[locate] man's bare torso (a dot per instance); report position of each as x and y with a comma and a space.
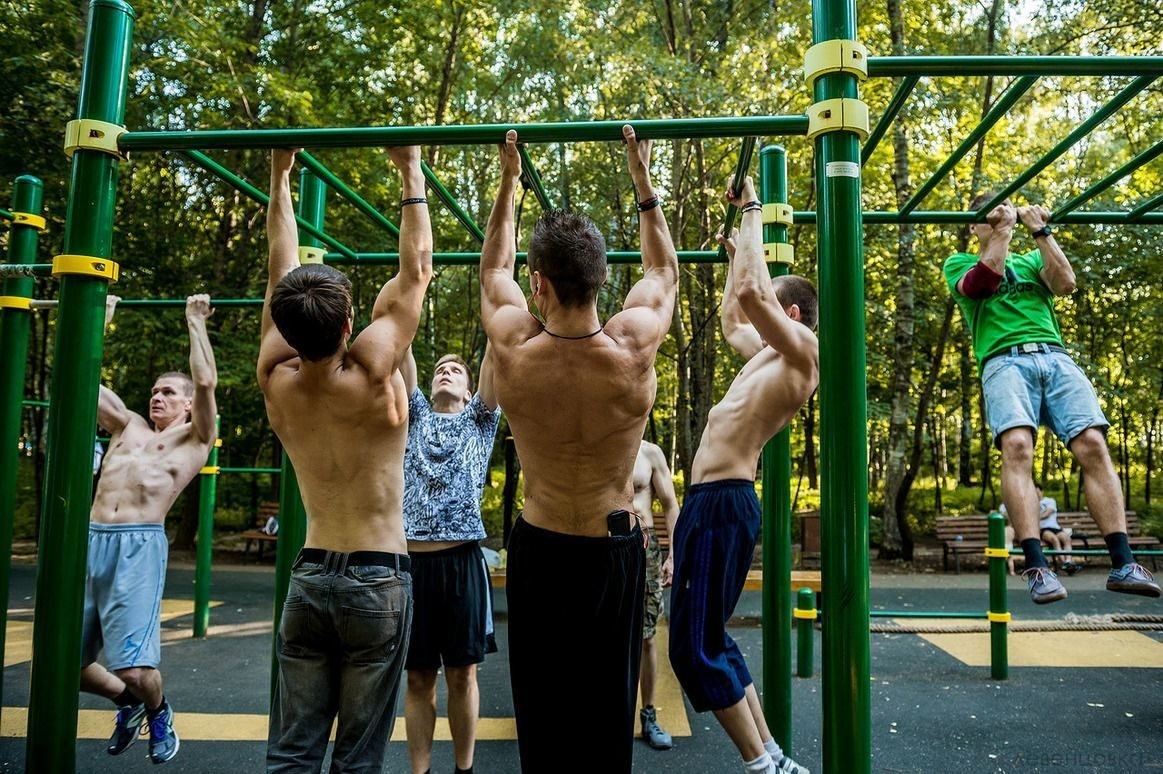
144, 471
644, 489
577, 410
345, 435
761, 401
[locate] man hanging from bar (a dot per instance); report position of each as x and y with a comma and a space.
577, 394
1028, 379
770, 322
143, 472
341, 412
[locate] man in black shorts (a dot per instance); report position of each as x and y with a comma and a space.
450, 440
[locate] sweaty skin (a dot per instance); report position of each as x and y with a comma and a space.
577, 408
344, 420
145, 469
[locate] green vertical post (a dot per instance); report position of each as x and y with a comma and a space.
68, 483
292, 516
777, 561
805, 614
998, 615
208, 490
27, 197
843, 419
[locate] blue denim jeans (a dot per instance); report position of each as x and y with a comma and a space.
341, 648
1041, 388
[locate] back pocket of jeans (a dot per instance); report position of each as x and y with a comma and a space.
369, 636
296, 633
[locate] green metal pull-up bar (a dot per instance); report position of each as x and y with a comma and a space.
901, 66
451, 203
530, 179
741, 167
1126, 169
472, 259
337, 185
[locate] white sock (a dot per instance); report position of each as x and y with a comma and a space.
773, 749
762, 765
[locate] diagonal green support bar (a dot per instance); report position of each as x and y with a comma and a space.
1126, 169
1143, 211
995, 114
1082, 130
337, 185
903, 91
746, 151
231, 179
451, 203
480, 134
530, 179
924, 66
6, 214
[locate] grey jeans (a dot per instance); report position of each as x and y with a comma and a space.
341, 649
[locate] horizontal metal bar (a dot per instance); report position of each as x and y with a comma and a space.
530, 179
35, 403
250, 470
886, 118
470, 259
901, 66
480, 134
134, 303
1126, 169
341, 188
922, 614
451, 203
949, 217
1143, 211
6, 214
25, 270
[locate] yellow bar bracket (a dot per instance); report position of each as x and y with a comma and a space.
838, 115
311, 254
28, 219
835, 56
86, 264
807, 615
93, 135
16, 302
210, 470
777, 215
1000, 553
998, 617
778, 252
217, 443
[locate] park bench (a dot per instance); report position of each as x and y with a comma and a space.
256, 535
970, 534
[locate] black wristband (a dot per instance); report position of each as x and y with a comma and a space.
649, 204
413, 200
752, 206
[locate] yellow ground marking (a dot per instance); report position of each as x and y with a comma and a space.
1055, 649
668, 701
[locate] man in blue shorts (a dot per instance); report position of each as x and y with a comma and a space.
769, 322
1028, 380
143, 472
450, 440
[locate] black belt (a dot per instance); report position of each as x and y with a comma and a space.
1026, 349
340, 560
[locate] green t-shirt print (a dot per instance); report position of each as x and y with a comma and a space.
1020, 312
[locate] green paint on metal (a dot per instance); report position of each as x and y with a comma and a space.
1126, 169
452, 205
924, 614
312, 204
746, 151
337, 185
25, 270
250, 470
949, 217
8, 215
207, 491
474, 258
36, 403
998, 647
1143, 211
925, 66
903, 91
530, 180
805, 647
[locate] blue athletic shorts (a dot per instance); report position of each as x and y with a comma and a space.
123, 595
1041, 388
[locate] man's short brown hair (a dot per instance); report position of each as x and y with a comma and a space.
310, 307
569, 250
790, 289
187, 382
450, 357
983, 197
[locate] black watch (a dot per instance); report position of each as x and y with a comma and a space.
1044, 231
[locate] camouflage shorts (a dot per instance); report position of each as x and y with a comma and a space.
653, 588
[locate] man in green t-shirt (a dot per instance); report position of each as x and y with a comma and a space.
1028, 380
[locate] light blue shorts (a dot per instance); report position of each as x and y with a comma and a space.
1041, 388
123, 595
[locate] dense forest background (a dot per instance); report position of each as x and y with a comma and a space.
266, 64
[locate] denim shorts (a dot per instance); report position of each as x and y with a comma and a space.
1041, 388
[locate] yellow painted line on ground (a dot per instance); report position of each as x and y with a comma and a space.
667, 692
1055, 649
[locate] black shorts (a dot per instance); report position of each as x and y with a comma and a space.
452, 623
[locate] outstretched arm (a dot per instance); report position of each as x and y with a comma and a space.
282, 258
408, 371
381, 346
737, 329
1056, 272
112, 413
485, 386
204, 372
502, 302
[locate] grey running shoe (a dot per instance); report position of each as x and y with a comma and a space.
652, 732
1044, 585
126, 728
1132, 579
788, 766
163, 740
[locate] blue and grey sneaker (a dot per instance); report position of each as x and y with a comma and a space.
1044, 585
126, 728
1132, 579
163, 740
652, 732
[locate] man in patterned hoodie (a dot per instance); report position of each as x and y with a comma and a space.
450, 440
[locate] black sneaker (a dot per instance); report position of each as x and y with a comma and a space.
126, 728
163, 740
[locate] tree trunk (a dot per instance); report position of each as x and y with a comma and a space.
811, 462
188, 523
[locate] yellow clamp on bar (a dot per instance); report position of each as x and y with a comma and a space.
311, 254
838, 115
217, 443
777, 215
778, 252
95, 135
86, 264
1000, 553
998, 617
28, 219
807, 615
835, 56
211, 470
15, 302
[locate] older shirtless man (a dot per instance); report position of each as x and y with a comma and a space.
577, 394
144, 471
770, 323
341, 412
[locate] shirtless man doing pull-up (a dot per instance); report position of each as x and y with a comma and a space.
341, 412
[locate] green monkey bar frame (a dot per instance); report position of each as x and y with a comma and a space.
88, 232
